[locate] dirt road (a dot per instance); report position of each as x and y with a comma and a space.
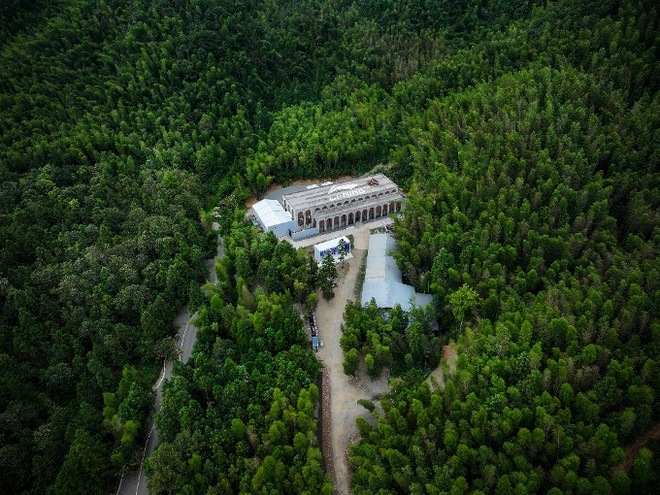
344, 392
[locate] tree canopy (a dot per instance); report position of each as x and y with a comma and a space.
525, 135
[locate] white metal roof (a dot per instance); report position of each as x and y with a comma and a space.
270, 213
331, 243
382, 279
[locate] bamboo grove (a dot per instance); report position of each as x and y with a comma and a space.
525, 135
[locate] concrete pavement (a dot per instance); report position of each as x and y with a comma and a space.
135, 482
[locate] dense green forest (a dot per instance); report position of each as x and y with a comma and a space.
525, 133
240, 416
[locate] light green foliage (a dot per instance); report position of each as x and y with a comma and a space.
462, 302
403, 342
525, 135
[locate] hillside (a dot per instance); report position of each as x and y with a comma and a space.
526, 136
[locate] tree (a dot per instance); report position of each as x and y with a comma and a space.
351, 361
462, 301
84, 467
327, 277
342, 248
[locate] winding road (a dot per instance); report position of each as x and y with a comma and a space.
135, 482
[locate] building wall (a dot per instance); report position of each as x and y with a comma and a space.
334, 206
342, 212
282, 229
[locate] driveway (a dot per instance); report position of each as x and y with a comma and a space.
344, 391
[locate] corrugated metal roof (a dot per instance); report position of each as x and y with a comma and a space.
382, 279
270, 213
377, 184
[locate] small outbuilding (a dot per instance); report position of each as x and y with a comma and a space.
271, 217
331, 248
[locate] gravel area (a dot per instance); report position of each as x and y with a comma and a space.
338, 424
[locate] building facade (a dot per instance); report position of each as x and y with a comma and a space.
335, 206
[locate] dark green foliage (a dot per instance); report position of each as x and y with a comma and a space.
396, 339
249, 388
327, 277
516, 199
526, 136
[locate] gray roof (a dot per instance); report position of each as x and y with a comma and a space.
308, 198
382, 279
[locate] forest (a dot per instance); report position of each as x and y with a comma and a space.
525, 136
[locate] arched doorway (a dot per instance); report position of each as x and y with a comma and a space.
371, 213
357, 216
385, 210
378, 211
364, 215
351, 220
336, 223
322, 226
343, 220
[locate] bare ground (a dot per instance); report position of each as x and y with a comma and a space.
344, 392
447, 366
633, 450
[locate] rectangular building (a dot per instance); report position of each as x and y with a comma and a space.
273, 218
383, 279
334, 206
331, 248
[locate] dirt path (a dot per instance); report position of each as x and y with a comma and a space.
633, 450
344, 392
437, 377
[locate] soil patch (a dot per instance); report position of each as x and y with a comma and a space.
633, 450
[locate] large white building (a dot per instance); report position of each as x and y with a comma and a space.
338, 205
383, 279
